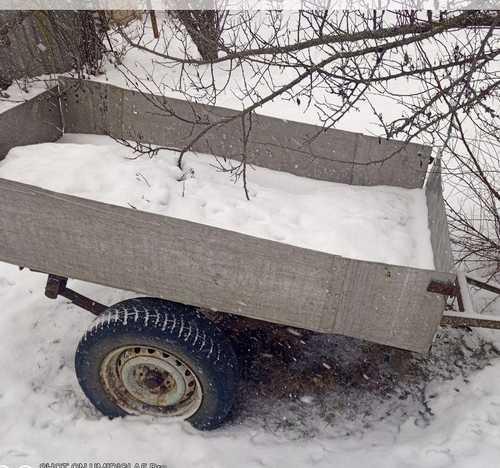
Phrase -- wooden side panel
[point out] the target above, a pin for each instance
(438, 223)
(35, 121)
(301, 149)
(210, 267)
(390, 163)
(384, 301)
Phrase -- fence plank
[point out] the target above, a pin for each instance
(35, 121)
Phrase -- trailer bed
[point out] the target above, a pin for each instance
(223, 270)
(379, 223)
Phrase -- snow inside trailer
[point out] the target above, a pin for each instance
(380, 223)
(352, 252)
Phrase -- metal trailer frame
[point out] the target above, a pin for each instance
(191, 263)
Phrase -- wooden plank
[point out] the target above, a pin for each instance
(465, 302)
(461, 319)
(390, 302)
(383, 162)
(91, 107)
(210, 267)
(35, 121)
(32, 46)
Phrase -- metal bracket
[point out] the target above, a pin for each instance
(466, 316)
(56, 286)
(444, 288)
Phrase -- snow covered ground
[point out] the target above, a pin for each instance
(384, 224)
(21, 91)
(317, 401)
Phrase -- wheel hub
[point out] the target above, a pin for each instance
(145, 380)
(153, 381)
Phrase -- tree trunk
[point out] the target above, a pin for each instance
(203, 28)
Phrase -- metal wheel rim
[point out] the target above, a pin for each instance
(148, 380)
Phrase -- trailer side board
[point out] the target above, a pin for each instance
(223, 270)
(35, 121)
(294, 147)
(438, 222)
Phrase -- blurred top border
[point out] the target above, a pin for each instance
(248, 4)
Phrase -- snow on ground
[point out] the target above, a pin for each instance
(139, 70)
(311, 401)
(384, 224)
(23, 90)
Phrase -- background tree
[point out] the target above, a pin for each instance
(39, 42)
(204, 28)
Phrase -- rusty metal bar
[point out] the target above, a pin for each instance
(443, 288)
(481, 284)
(56, 286)
(154, 24)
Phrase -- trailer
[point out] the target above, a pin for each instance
(158, 354)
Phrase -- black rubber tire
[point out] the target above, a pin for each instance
(142, 322)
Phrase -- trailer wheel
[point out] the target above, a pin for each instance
(155, 357)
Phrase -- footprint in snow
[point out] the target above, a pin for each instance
(5, 283)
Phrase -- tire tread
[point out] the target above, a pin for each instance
(178, 323)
